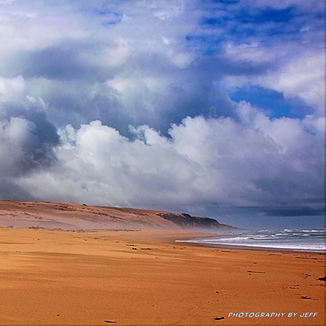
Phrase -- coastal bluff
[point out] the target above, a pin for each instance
(69, 216)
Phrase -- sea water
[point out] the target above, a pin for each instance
(286, 239)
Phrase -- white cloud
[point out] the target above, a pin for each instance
(12, 88)
(5, 2)
(217, 161)
(114, 57)
(296, 75)
(302, 76)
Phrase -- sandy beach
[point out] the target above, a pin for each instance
(162, 162)
(145, 278)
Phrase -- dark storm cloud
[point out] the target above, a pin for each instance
(11, 191)
(27, 139)
(62, 61)
(294, 211)
(79, 91)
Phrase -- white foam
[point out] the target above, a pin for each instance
(301, 240)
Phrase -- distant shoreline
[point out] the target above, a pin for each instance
(244, 247)
(285, 240)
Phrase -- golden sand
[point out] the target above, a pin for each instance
(144, 278)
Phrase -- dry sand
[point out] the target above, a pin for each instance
(144, 278)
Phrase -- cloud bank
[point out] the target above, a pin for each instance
(251, 162)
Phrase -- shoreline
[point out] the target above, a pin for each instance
(187, 240)
(272, 245)
(244, 247)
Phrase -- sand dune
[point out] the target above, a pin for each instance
(67, 216)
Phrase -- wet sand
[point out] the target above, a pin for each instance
(144, 278)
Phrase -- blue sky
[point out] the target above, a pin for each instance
(210, 107)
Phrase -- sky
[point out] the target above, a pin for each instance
(210, 107)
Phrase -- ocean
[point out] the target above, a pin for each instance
(285, 239)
